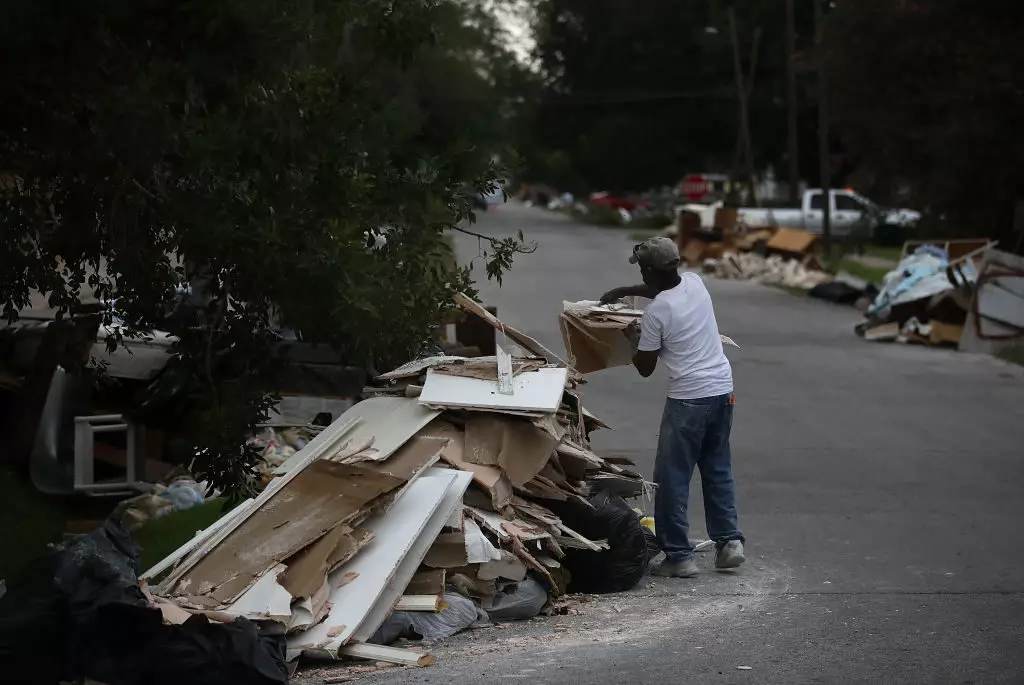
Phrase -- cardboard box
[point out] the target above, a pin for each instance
(593, 348)
(792, 240)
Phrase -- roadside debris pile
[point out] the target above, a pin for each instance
(926, 299)
(461, 491)
(783, 256)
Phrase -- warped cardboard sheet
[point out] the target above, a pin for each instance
(490, 478)
(384, 568)
(535, 391)
(519, 447)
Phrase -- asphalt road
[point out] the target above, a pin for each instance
(879, 487)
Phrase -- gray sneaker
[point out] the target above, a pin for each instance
(730, 555)
(687, 568)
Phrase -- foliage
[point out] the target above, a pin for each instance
(259, 141)
(638, 94)
(929, 95)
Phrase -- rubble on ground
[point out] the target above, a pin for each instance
(439, 503)
(928, 298)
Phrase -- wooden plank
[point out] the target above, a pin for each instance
(429, 603)
(539, 391)
(391, 655)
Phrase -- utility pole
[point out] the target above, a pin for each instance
(794, 165)
(823, 133)
(741, 96)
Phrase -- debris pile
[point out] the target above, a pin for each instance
(437, 503)
(774, 269)
(926, 298)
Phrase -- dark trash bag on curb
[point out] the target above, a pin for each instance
(616, 569)
(836, 291)
(80, 613)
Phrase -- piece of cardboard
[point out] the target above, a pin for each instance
(519, 447)
(448, 551)
(792, 240)
(594, 346)
(491, 478)
(945, 333)
(426, 582)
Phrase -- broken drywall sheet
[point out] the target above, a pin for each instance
(266, 600)
(535, 391)
(388, 422)
(406, 530)
(416, 367)
(519, 447)
(324, 495)
(479, 549)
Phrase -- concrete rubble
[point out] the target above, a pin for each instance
(434, 495)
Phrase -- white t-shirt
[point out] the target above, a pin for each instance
(681, 324)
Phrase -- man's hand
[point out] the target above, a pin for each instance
(632, 333)
(641, 290)
(611, 296)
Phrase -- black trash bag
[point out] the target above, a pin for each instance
(836, 291)
(80, 613)
(616, 569)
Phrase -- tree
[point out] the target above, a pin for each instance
(637, 94)
(929, 96)
(246, 148)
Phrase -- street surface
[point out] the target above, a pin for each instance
(879, 487)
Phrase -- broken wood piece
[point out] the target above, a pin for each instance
(392, 655)
(508, 566)
(433, 603)
(529, 344)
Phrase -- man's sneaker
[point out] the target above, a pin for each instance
(730, 555)
(687, 568)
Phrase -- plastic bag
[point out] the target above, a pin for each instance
(80, 613)
(517, 601)
(461, 613)
(616, 569)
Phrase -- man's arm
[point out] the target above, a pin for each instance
(641, 290)
(645, 361)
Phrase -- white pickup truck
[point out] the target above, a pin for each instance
(848, 211)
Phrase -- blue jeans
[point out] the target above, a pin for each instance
(694, 433)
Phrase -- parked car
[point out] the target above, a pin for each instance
(848, 210)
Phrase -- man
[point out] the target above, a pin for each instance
(679, 327)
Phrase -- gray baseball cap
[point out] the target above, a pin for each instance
(660, 254)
